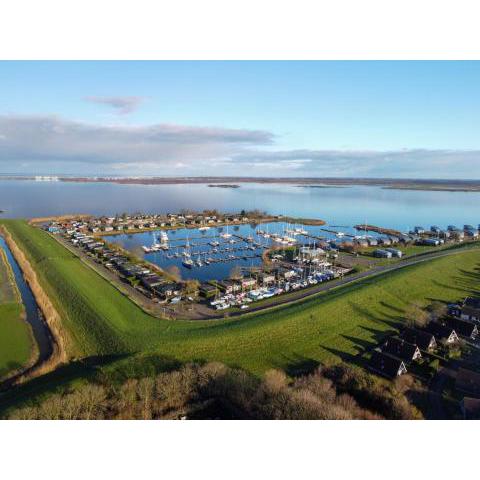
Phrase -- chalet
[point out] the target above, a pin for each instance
(385, 241)
(468, 382)
(229, 286)
(442, 332)
(424, 340)
(372, 242)
(471, 233)
(361, 242)
(419, 230)
(464, 328)
(395, 252)
(400, 348)
(382, 253)
(429, 242)
(167, 290)
(458, 235)
(387, 365)
(470, 408)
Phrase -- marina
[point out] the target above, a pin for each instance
(212, 254)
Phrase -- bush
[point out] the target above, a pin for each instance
(214, 390)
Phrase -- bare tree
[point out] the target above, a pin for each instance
(416, 316)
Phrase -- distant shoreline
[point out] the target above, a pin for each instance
(309, 182)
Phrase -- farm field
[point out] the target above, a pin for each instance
(332, 326)
(15, 335)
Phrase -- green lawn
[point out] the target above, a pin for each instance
(335, 325)
(15, 335)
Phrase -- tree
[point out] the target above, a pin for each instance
(235, 273)
(174, 272)
(437, 310)
(191, 287)
(416, 316)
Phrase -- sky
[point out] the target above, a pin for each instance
(335, 119)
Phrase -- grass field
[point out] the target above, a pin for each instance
(15, 335)
(336, 325)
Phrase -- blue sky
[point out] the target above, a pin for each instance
(415, 119)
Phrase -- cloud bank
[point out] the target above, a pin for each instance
(31, 144)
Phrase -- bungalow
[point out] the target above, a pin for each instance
(151, 281)
(387, 365)
(385, 241)
(372, 242)
(468, 382)
(361, 242)
(229, 286)
(442, 332)
(424, 340)
(382, 253)
(429, 242)
(458, 235)
(463, 328)
(471, 233)
(395, 252)
(400, 348)
(167, 290)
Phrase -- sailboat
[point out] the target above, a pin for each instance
(226, 234)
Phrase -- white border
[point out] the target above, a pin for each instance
(241, 29)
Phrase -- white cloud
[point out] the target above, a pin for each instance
(122, 105)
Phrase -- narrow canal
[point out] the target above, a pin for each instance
(33, 314)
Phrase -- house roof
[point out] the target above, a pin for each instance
(418, 337)
(439, 330)
(399, 347)
(385, 364)
(468, 381)
(462, 327)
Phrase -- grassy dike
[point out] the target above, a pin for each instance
(98, 320)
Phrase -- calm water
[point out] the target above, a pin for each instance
(39, 328)
(400, 209)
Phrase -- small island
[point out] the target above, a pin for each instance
(223, 185)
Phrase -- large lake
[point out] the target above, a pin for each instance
(401, 209)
